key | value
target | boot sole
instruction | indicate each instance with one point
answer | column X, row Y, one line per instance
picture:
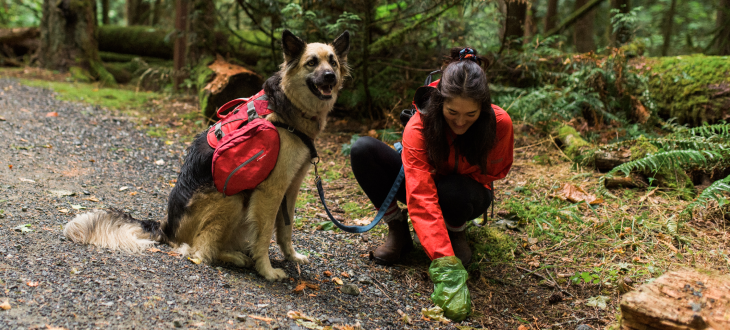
column 380, row 261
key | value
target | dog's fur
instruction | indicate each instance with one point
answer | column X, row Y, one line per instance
column 205, row 224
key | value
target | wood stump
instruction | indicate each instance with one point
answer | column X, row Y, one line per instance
column 679, row 300
column 229, row 82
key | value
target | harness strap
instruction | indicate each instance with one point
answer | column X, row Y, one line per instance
column 304, row 137
column 383, row 207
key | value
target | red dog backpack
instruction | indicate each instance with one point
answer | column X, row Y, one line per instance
column 246, row 145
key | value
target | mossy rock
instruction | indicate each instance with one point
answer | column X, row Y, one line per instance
column 693, row 89
column 667, row 177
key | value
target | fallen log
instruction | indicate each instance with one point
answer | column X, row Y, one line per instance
column 224, row 82
column 136, row 40
column 606, row 160
column 632, row 181
column 17, row 42
column 679, row 300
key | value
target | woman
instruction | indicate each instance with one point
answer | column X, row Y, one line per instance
column 452, row 152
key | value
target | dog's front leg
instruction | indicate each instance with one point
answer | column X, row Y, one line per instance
column 283, row 231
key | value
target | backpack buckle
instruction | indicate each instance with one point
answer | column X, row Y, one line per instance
column 218, row 132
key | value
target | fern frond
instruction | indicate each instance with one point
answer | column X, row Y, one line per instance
column 691, row 143
column 714, row 192
column 672, row 158
column 722, row 130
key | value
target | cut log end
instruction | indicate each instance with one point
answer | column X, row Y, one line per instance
column 679, row 300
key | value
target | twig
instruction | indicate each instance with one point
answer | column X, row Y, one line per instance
column 558, row 285
column 383, row 291
column 532, row 145
column 561, row 150
column 532, row 272
column 557, row 247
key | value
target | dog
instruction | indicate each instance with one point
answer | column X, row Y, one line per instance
column 203, row 223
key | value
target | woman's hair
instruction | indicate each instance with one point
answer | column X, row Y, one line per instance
column 462, row 76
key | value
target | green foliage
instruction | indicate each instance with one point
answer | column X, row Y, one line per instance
column 491, row 243
column 91, row 93
column 716, row 191
column 601, row 89
column 347, row 147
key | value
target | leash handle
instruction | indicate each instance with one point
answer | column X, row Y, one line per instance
column 383, row 207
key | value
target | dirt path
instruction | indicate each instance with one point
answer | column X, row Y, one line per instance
column 52, row 168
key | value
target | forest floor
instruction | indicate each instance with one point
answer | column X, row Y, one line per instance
column 551, row 265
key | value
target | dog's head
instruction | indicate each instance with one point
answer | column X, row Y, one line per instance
column 320, row 68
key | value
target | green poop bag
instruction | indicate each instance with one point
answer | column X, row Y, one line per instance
column 449, row 287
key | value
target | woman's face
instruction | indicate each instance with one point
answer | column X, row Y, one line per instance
column 461, row 113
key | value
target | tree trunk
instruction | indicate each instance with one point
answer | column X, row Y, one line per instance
column 684, row 299
column 722, row 40
column 181, row 18
column 514, row 23
column 157, row 12
column 583, row 30
column 366, row 57
column 67, row 40
column 667, row 28
column 105, row 12
column 576, row 15
column 551, row 18
column 201, row 31
column 138, row 12
column 622, row 35
column 531, row 20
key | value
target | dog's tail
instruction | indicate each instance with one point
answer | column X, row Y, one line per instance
column 115, row 230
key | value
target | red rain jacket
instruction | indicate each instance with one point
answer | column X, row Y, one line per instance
column 421, row 177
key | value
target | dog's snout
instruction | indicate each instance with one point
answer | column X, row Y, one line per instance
column 330, row 77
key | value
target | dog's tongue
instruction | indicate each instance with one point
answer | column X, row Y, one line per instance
column 325, row 89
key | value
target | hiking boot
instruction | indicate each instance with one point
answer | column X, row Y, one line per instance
column 460, row 245
column 397, row 245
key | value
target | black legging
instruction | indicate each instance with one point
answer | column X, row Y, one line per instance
column 376, row 165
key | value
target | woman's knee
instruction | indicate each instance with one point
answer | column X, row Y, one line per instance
column 363, row 148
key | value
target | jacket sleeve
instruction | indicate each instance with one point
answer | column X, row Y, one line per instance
column 422, row 199
column 501, row 157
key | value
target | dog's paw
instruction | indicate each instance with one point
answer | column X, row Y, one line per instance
column 298, row 258
column 275, row 274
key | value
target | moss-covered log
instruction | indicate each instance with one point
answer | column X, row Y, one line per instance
column 693, row 89
column 136, row 40
column 572, row 143
column 220, row 82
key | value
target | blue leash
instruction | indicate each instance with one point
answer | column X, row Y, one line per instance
column 388, row 200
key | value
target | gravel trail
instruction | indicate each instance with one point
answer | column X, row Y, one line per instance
column 54, row 167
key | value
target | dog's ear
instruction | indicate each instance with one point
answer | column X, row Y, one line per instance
column 342, row 44
column 293, row 46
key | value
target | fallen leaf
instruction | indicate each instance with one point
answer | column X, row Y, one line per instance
column 534, row 263
column 132, row 193
column 434, row 313
column 23, row 228
column 194, row 260
column 48, row 327
column 569, row 192
column 63, row 210
column 2, row 118
column 300, row 288
column 404, row 317
column 75, row 271
column 26, row 180
column 153, row 250
column 123, row 188
column 32, row 284
column 173, row 254
column 344, row 274
column 598, row 301
column 5, row 305
column 78, row 207
column 261, row 318
column 160, row 162
column 52, row 114
column 337, row 280
column 522, row 327
column 373, row 133
column 91, row 199
column 327, row 273
column 10, row 167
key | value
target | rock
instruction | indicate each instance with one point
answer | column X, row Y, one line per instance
column 61, row 193
column 350, row 289
column 177, row 324
column 364, row 279
column 584, row 327
column 241, row 318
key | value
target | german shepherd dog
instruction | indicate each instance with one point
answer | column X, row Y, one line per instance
column 203, row 223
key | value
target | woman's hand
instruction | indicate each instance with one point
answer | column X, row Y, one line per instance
column 450, row 291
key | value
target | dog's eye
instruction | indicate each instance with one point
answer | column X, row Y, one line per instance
column 312, row 62
column 333, row 63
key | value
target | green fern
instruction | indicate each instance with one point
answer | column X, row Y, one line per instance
column 672, row 159
column 714, row 192
column 708, row 131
